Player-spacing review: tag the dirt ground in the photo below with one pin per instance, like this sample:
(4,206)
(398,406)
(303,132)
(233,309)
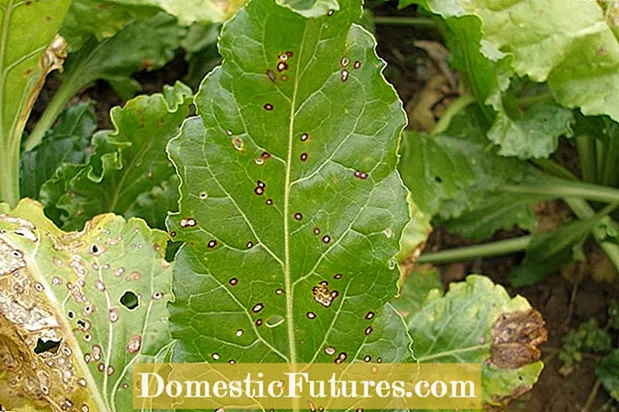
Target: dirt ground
(412,66)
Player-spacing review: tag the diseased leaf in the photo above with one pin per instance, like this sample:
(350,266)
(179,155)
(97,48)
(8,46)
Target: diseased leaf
(291,205)
(65,143)
(608,371)
(573,45)
(455,166)
(415,234)
(26,57)
(497,211)
(128,166)
(477,322)
(549,250)
(67,339)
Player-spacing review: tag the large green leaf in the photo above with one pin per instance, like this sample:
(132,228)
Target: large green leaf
(78,310)
(573,45)
(65,143)
(128,166)
(26,57)
(477,322)
(291,205)
(531,132)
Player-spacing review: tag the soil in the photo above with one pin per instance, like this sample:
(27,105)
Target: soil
(565,298)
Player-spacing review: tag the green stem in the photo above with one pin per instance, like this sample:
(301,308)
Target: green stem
(554,168)
(501,247)
(404,21)
(610,170)
(525,102)
(456,106)
(9,171)
(62,96)
(586,153)
(599,160)
(560,188)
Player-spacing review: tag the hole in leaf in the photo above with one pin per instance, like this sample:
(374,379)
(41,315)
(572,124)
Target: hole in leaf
(438,179)
(50,346)
(274,321)
(129,300)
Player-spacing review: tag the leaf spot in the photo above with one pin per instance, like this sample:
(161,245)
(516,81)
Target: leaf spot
(304,137)
(188,222)
(114,315)
(357,64)
(259,322)
(134,344)
(337,276)
(368,330)
(330,350)
(345,75)
(341,357)
(298,216)
(257,307)
(303,157)
(369,315)
(361,175)
(311,315)
(279,292)
(326,239)
(316,231)
(367,358)
(268,107)
(233,281)
(211,244)
(215,356)
(250,244)
(239,332)
(322,294)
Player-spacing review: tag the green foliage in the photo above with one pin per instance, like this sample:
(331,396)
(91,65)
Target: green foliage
(608,371)
(590,338)
(65,292)
(292,171)
(128,172)
(67,142)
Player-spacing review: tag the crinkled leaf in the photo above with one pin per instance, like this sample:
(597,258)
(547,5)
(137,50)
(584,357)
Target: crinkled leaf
(497,211)
(190,11)
(573,45)
(477,322)
(292,207)
(65,143)
(26,57)
(99,18)
(549,250)
(415,233)
(608,371)
(534,135)
(67,338)
(128,166)
(457,165)
(143,44)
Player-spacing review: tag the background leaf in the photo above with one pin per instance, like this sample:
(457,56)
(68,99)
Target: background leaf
(67,292)
(290,169)
(127,167)
(65,143)
(477,322)
(608,372)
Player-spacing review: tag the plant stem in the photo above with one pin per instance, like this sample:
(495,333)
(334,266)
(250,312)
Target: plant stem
(554,168)
(501,247)
(62,96)
(586,153)
(560,188)
(528,101)
(9,171)
(456,106)
(592,395)
(404,21)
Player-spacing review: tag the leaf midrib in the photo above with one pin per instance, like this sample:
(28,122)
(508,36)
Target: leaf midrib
(287,277)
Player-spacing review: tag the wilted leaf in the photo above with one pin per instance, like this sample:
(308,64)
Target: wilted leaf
(455,166)
(608,371)
(292,207)
(127,166)
(65,143)
(414,235)
(27,58)
(78,309)
(477,322)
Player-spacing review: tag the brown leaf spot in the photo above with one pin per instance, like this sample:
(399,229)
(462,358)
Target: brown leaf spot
(515,337)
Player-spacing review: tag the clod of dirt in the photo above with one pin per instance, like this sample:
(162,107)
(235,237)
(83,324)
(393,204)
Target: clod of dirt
(515,338)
